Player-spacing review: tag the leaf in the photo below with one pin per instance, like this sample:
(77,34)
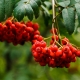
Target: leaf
(69,19)
(64,3)
(45,9)
(2,13)
(9,4)
(22,10)
(77,0)
(35,8)
(46,18)
(72,2)
(38,2)
(48,4)
(77,6)
(16,1)
(60,0)
(27,8)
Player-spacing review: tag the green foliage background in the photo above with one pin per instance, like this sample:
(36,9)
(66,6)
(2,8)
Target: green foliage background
(17,63)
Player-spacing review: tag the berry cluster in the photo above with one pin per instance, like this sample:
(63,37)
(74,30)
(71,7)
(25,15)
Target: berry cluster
(18,32)
(57,54)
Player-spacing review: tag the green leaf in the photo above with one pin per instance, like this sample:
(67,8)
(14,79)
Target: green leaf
(45,9)
(35,8)
(46,18)
(9,4)
(2,13)
(23,10)
(16,1)
(38,2)
(21,2)
(27,8)
(60,0)
(64,3)
(72,2)
(69,19)
(48,4)
(77,6)
(77,0)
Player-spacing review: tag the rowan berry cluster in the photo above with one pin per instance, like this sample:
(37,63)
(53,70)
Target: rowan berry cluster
(55,55)
(18,32)
(59,54)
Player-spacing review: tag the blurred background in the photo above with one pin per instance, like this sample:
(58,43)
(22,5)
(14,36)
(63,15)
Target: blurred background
(17,63)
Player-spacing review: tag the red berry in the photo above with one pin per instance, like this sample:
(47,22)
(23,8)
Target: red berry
(54,48)
(65,41)
(58,53)
(78,53)
(29,24)
(35,26)
(35,54)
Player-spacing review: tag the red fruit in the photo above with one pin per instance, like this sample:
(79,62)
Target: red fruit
(54,30)
(69,54)
(55,37)
(43,43)
(67,65)
(65,49)
(35,26)
(78,53)
(74,59)
(37,32)
(29,24)
(54,48)
(40,38)
(36,36)
(17,24)
(74,50)
(35,54)
(29,29)
(8,22)
(38,49)
(58,53)
(45,50)
(51,42)
(65,41)
(63,57)
(52,54)
(51,63)
(42,63)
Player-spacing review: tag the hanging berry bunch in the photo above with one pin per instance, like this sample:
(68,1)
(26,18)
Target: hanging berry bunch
(60,52)
(18,32)
(55,55)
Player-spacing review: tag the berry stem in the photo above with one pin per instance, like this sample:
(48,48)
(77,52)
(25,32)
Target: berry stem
(54,15)
(53,10)
(59,44)
(47,38)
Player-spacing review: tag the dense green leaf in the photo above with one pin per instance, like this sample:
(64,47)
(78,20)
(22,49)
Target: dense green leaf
(2,14)
(77,0)
(21,2)
(46,18)
(38,2)
(69,19)
(27,8)
(22,10)
(60,0)
(77,6)
(9,4)
(48,4)
(45,9)
(64,3)
(16,1)
(35,8)
(72,2)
